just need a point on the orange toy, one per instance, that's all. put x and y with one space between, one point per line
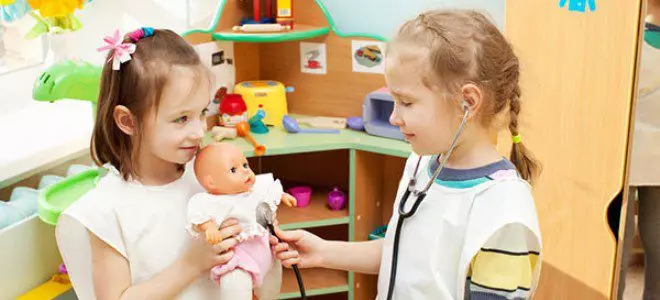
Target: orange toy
243 130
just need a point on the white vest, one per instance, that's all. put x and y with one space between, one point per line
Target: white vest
438 243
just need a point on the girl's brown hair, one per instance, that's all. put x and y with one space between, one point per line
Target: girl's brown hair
465 47
138 85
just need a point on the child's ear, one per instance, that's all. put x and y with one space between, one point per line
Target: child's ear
472 98
125 120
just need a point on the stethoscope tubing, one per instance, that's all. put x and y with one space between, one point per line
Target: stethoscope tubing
403 214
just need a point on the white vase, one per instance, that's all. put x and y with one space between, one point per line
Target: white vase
60 47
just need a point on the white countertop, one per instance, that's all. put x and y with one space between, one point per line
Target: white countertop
42 135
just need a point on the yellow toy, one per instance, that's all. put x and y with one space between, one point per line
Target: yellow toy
55 287
267 95
284 15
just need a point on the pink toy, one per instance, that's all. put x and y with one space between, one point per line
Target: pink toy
336 199
302 194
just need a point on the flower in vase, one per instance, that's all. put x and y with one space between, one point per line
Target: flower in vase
55 8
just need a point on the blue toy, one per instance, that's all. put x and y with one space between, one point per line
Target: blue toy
12 12
256 124
24 202
376 111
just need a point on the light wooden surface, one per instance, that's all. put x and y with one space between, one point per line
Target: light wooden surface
324 169
577 81
376 181
313 279
278 142
340 92
316 212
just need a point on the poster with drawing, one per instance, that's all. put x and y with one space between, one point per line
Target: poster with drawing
219 58
313 58
368 56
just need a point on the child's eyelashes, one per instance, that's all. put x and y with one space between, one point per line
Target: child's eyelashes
181 120
233 170
185 119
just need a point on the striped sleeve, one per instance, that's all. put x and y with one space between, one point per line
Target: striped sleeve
505 267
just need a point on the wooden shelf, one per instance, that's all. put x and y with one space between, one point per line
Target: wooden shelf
317 214
278 142
316 281
299 32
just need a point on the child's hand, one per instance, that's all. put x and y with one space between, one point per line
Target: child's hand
298 247
289 200
202 256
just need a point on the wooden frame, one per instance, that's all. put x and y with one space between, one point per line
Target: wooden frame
578 85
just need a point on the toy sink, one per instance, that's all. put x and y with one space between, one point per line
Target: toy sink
54 199
376 110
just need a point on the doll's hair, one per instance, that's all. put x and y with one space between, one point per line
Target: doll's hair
138 86
465 47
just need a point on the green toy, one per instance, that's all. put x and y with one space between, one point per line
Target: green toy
72 80
54 199
69 79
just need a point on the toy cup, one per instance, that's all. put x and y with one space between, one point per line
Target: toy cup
303 195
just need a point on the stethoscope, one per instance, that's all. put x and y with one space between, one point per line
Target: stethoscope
403 214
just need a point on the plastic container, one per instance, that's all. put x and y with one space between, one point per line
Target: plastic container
336 199
303 195
54 199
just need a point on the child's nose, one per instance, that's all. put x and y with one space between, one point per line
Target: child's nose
199 129
395 119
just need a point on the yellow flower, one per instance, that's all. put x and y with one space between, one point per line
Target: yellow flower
55 8
6 2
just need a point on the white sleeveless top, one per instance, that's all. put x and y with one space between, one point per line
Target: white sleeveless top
145 224
439 242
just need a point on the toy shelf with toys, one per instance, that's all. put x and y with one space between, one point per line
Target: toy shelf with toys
366 168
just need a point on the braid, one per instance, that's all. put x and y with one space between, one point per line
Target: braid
521 157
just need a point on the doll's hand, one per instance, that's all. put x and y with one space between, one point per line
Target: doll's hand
213 235
289 200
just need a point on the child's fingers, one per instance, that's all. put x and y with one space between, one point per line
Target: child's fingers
288 255
273 241
225 245
228 223
289 236
280 247
224 258
230 231
290 262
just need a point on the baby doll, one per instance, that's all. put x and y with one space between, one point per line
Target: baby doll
233 191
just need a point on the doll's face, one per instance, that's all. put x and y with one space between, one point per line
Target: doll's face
223 170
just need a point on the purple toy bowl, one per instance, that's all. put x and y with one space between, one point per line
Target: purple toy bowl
336 199
303 195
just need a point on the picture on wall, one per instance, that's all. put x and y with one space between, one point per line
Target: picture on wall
368 56
313 58
219 58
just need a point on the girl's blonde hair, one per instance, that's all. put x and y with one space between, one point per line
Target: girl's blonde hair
138 85
465 47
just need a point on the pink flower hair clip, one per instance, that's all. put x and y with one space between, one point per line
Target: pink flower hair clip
121 52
